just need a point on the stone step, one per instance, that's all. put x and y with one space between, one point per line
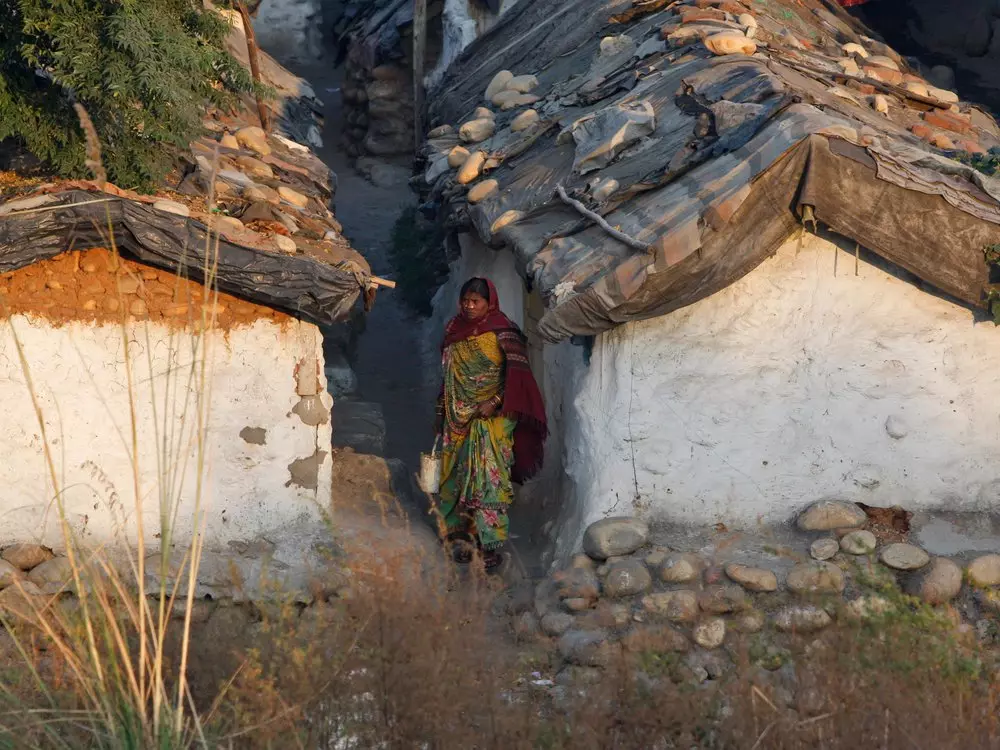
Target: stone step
359 425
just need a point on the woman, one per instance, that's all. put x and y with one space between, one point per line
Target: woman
492 419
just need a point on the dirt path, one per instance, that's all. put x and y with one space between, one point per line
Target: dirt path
387 362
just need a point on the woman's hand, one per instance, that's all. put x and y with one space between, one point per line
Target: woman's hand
488 408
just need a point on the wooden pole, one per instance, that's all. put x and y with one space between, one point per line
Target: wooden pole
254 63
419 45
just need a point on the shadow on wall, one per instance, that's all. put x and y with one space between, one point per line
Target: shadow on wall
961 41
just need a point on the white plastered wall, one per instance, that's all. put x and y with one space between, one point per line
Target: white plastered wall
252 486
791 385
462 23
291 30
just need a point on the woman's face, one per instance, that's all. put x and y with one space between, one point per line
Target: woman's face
474 306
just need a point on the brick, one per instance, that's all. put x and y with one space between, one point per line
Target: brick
972 147
865 88
940 140
922 131
885 75
939 118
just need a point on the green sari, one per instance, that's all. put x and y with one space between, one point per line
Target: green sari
476 487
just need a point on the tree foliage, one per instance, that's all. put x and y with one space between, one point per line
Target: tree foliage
143 69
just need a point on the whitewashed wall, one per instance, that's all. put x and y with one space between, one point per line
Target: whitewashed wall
463 22
291 30
791 385
256 377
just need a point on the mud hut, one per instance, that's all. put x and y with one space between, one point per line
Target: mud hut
169 348
768 235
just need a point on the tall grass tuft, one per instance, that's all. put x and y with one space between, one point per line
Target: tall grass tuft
116 685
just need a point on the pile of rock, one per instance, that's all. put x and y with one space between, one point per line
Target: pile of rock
457 160
378 107
624 594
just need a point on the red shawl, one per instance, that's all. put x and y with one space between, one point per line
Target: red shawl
521 398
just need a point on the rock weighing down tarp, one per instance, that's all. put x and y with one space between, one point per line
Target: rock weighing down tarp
709 158
30 231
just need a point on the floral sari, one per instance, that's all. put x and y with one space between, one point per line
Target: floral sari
478 453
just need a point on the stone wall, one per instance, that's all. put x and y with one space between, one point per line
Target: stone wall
802 381
263 460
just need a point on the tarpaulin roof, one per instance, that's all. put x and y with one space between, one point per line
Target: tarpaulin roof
705 161
285 251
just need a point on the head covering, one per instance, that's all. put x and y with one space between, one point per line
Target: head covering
522 399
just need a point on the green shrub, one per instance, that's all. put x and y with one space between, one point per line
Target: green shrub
143 70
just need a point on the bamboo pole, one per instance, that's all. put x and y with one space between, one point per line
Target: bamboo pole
254 62
419 45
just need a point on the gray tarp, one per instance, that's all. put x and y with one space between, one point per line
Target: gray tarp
303 286
738 144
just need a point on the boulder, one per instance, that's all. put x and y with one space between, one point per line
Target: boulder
823 549
482 191
508 100
749 622
722 599
293 197
556 623
611 537
801 619
254 167
483 113
506 219
475 131
710 634
901 556
498 84
8 574
172 207
985 571
827 515
585 648
676 606
883 62
229 141
255 139
852 48
627 578
937 583
285 244
655 638
816 578
527 119
577 583
680 568
457 156
730 43
752 579
26 556
53 576
859 543
471 168
522 84
440 131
